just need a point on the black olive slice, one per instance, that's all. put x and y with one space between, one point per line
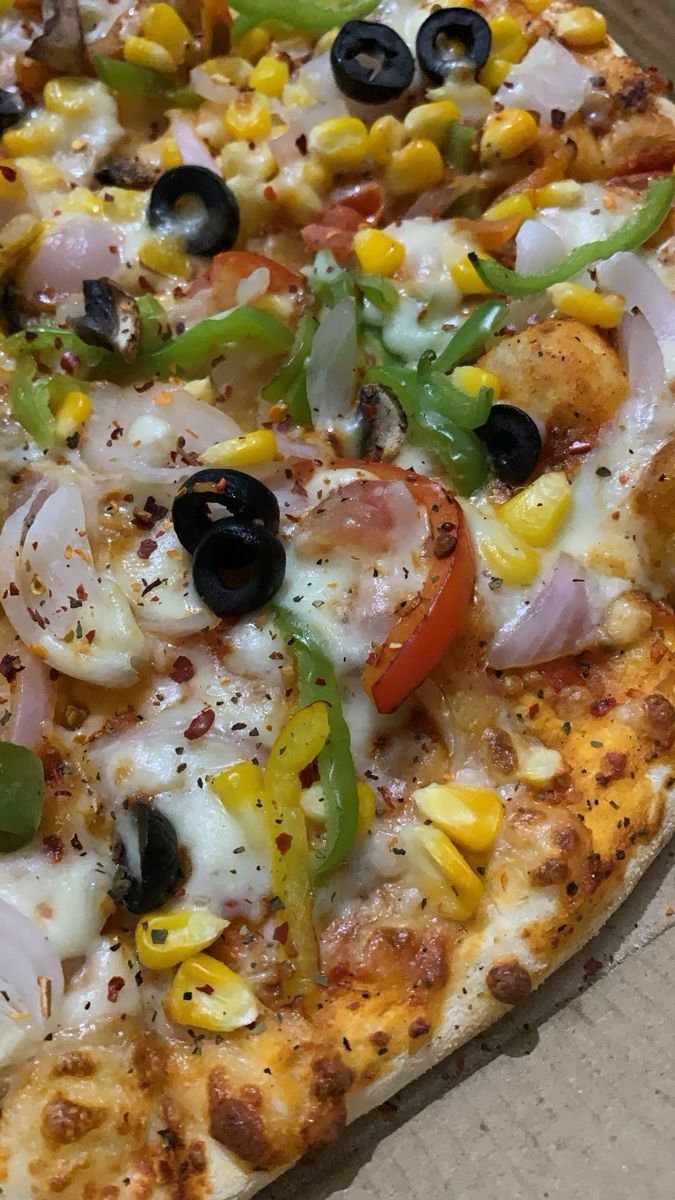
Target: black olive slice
61 43
111 318
513 442
445 27
159 859
11 109
215 228
238 567
370 62
382 424
128 173
242 495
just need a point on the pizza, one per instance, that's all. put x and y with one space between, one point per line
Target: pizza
338 480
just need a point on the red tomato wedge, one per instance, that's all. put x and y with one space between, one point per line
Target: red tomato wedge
418 641
228 269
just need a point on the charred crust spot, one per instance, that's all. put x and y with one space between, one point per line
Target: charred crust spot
660 718
418 1028
332 1077
77 1064
500 750
552 870
65 1121
509 981
235 1121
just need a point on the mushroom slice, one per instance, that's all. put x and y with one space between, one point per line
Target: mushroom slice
61 43
11 109
111 318
128 172
382 423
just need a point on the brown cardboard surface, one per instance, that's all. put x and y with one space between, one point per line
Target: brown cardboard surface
572 1095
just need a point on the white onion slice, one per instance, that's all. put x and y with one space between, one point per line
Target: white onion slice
548 78
205 85
644 365
253 286
641 287
32 702
84 248
301 121
538 248
192 149
331 369
556 622
26 958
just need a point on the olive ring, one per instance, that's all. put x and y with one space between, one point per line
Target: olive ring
238 567
370 62
242 495
462 25
218 228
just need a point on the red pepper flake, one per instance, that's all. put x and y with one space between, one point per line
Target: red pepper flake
10 665
310 774
598 708
614 762
8 173
182 669
89 637
69 362
281 933
532 711
81 593
146 548
53 847
200 725
205 988
115 986
151 512
283 842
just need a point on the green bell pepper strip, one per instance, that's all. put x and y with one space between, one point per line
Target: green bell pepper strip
649 217
457 147
379 291
311 15
317 681
466 344
329 282
155 326
130 80
441 395
290 383
47 341
29 402
192 353
22 793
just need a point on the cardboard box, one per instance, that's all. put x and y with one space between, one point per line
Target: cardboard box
572 1095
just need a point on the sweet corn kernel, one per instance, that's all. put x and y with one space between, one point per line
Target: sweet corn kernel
581 27
563 193
244 451
67 96
518 205
342 142
166 256
296 95
415 167
82 200
269 76
125 204
465 277
38 135
248 118
442 867
377 252
313 803
593 308
536 6
16 237
201 389
301 188
536 513
142 52
367 808
254 43
385 135
472 379
11 183
470 816
494 72
75 410
515 564
163 939
507 134
237 158
42 176
161 23
171 155
207 994
539 766
229 68
431 120
508 39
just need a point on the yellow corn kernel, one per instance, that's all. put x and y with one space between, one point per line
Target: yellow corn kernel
269 76
342 142
207 994
507 134
515 564
494 72
536 513
229 68
38 135
593 308
11 183
254 43
141 52
472 379
75 410
171 155
431 120
16 237
562 193
67 97
296 95
367 808
441 864
244 451
42 176
166 256
581 27
465 277
470 816
536 6
508 39
201 389
314 804
415 167
124 204
161 23
248 118
539 766
237 158
163 939
301 188
385 135
82 200
377 252
518 205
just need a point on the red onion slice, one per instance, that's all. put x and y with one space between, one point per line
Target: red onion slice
537 248
331 369
207 86
556 622
27 957
641 287
192 149
32 703
84 248
644 364
548 78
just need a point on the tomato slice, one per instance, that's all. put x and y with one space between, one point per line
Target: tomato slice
228 269
418 641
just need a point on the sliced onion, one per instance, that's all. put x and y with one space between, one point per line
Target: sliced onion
537 248
253 286
33 699
192 149
205 85
331 369
644 365
548 78
84 248
27 957
300 124
556 622
641 287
